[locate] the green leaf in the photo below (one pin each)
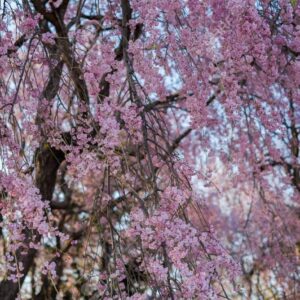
(294, 3)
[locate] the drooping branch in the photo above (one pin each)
(47, 162)
(56, 17)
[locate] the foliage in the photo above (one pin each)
(149, 149)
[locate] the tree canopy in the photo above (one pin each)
(149, 149)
